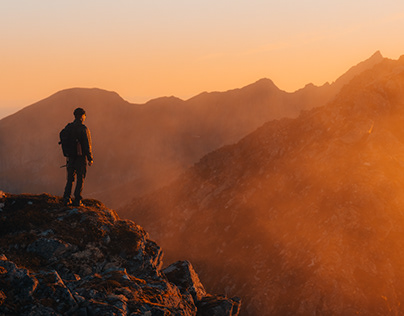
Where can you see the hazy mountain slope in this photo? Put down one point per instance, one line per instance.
(304, 216)
(139, 147)
(57, 260)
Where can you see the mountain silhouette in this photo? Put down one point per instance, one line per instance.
(138, 148)
(303, 216)
(57, 260)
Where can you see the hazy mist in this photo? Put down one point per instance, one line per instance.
(139, 148)
(303, 216)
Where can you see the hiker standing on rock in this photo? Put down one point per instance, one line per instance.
(75, 139)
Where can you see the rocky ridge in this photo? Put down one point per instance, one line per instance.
(57, 260)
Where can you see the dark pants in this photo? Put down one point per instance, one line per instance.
(75, 167)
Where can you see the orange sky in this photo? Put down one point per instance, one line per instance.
(145, 49)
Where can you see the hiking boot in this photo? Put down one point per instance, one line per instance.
(78, 203)
(67, 202)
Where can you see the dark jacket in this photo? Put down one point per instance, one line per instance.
(84, 139)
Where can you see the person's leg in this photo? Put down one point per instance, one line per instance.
(69, 183)
(81, 174)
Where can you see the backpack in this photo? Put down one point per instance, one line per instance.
(68, 140)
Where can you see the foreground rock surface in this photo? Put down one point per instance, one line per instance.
(57, 260)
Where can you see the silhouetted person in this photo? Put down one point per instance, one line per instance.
(77, 163)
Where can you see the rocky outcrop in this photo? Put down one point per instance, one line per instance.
(57, 260)
(184, 276)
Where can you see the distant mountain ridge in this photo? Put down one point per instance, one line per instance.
(305, 215)
(141, 147)
(375, 59)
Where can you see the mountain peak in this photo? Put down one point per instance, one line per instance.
(165, 100)
(87, 93)
(265, 83)
(377, 55)
(369, 63)
(88, 261)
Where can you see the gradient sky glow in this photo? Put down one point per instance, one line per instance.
(145, 49)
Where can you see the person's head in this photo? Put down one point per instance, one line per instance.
(79, 114)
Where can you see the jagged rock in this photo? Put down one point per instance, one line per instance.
(18, 279)
(48, 248)
(184, 276)
(216, 305)
(57, 260)
(52, 285)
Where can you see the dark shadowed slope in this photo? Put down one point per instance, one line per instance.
(140, 147)
(57, 260)
(304, 216)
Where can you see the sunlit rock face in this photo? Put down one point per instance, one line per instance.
(306, 215)
(138, 148)
(57, 260)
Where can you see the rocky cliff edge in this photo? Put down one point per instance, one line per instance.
(57, 260)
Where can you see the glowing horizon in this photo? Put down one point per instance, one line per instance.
(148, 49)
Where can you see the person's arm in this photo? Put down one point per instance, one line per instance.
(86, 145)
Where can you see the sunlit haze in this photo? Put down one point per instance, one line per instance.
(147, 49)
